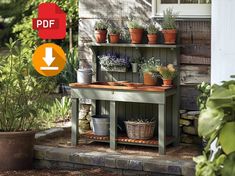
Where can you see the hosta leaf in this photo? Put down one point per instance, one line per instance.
(229, 163)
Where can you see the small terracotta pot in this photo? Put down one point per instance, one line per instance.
(136, 35)
(167, 82)
(169, 36)
(100, 36)
(152, 38)
(149, 80)
(114, 38)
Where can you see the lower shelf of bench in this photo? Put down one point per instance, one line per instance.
(123, 139)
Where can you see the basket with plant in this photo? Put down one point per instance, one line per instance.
(169, 26)
(101, 31)
(148, 67)
(136, 31)
(114, 34)
(167, 74)
(152, 34)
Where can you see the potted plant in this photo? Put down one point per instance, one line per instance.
(101, 31)
(114, 62)
(134, 64)
(167, 74)
(148, 67)
(136, 32)
(114, 34)
(22, 94)
(169, 26)
(152, 34)
(140, 128)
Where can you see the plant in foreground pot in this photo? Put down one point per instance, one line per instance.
(101, 31)
(152, 34)
(114, 34)
(114, 62)
(149, 69)
(140, 128)
(136, 32)
(169, 26)
(167, 74)
(216, 125)
(22, 94)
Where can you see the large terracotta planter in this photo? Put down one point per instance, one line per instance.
(100, 36)
(149, 79)
(114, 38)
(167, 82)
(16, 150)
(152, 38)
(136, 35)
(169, 36)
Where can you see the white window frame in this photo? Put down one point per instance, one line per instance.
(185, 10)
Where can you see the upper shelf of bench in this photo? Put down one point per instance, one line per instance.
(132, 45)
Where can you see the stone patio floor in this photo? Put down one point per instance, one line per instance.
(55, 151)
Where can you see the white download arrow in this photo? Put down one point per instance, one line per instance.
(49, 59)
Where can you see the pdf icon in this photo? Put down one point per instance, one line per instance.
(51, 21)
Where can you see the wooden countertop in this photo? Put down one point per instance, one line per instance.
(104, 85)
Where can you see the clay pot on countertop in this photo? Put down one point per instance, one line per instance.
(167, 82)
(100, 36)
(169, 36)
(149, 80)
(136, 35)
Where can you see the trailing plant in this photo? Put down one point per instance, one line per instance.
(152, 29)
(150, 65)
(205, 90)
(101, 25)
(134, 25)
(114, 30)
(167, 72)
(22, 90)
(217, 124)
(169, 19)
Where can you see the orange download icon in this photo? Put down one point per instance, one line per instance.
(49, 59)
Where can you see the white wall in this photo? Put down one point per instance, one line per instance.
(223, 40)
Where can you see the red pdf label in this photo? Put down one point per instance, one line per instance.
(51, 21)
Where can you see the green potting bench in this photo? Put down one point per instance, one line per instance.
(123, 104)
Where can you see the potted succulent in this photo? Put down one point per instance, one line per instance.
(22, 94)
(134, 64)
(148, 67)
(114, 62)
(140, 128)
(114, 34)
(152, 34)
(136, 32)
(167, 74)
(169, 26)
(101, 31)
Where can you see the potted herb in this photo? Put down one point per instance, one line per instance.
(101, 31)
(114, 62)
(134, 64)
(149, 69)
(169, 26)
(167, 74)
(152, 34)
(114, 34)
(140, 128)
(136, 32)
(22, 95)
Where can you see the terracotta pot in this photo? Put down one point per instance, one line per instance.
(169, 36)
(152, 38)
(100, 36)
(167, 82)
(149, 80)
(114, 38)
(16, 150)
(136, 35)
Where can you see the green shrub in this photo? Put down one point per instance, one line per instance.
(169, 19)
(101, 25)
(152, 29)
(134, 25)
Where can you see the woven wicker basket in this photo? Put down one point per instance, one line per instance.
(139, 130)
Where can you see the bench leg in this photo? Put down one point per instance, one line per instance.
(113, 125)
(175, 119)
(162, 128)
(75, 120)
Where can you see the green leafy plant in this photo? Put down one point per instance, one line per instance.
(217, 124)
(134, 25)
(150, 65)
(167, 72)
(135, 60)
(101, 25)
(205, 90)
(169, 19)
(114, 30)
(152, 29)
(22, 90)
